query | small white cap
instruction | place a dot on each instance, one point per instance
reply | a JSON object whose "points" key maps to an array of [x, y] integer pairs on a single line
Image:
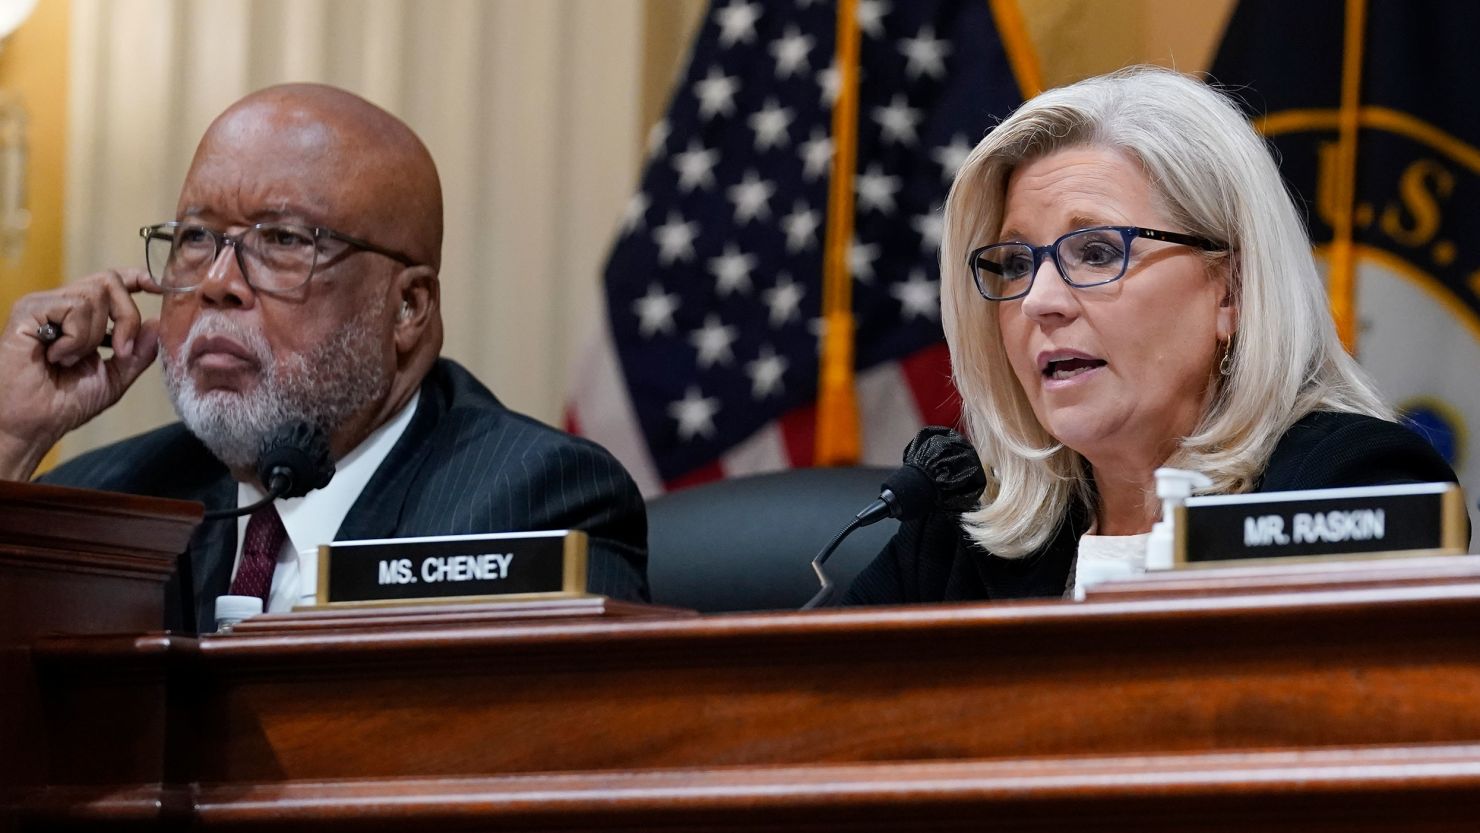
{"points": [[1179, 483], [233, 609]]}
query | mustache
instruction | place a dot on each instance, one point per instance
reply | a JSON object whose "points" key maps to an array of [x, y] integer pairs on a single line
{"points": [[211, 324]]}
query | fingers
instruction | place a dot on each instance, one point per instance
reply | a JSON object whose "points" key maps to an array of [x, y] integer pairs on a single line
{"points": [[82, 313], [118, 291], [138, 280], [56, 381], [123, 368], [71, 336]]}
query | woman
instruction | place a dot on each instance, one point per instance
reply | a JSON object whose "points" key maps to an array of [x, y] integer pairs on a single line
{"points": [[1126, 285]]}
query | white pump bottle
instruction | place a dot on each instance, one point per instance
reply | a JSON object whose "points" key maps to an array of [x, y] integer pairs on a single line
{"points": [[1173, 488]]}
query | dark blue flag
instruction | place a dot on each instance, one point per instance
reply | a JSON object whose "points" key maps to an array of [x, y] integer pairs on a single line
{"points": [[1375, 113]]}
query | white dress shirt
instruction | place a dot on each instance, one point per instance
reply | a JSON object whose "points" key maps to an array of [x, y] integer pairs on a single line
{"points": [[315, 518]]}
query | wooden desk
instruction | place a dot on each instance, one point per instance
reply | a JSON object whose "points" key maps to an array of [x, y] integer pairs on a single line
{"points": [[71, 561], [1349, 701]]}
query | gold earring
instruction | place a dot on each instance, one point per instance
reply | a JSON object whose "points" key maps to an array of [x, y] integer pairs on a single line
{"points": [[1225, 365]]}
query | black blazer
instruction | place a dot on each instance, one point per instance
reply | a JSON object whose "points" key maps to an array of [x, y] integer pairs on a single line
{"points": [[931, 559], [466, 464]]}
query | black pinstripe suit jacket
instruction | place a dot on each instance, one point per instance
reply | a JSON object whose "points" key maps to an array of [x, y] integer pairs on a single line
{"points": [[466, 464]]}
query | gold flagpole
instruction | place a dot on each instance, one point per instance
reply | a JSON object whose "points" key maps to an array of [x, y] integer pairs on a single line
{"points": [[838, 442], [1342, 285], [1019, 47]]}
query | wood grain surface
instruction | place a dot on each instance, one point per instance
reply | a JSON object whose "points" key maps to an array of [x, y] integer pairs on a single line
{"points": [[1343, 703], [78, 562]]}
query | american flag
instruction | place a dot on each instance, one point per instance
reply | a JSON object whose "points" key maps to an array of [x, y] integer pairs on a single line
{"points": [[706, 365]]}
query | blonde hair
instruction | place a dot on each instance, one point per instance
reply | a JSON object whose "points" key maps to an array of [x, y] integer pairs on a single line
{"points": [[1216, 177]]}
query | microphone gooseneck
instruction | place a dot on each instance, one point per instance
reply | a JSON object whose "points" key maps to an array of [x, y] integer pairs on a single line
{"points": [[292, 461], [941, 471]]}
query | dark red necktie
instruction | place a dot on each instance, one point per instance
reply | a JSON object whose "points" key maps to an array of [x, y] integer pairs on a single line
{"points": [[264, 538]]}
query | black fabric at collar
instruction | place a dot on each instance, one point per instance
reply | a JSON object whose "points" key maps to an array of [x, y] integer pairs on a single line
{"points": [[1043, 574], [212, 554], [376, 512]]}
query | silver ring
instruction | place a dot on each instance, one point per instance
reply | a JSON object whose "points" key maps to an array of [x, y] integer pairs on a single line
{"points": [[49, 332]]}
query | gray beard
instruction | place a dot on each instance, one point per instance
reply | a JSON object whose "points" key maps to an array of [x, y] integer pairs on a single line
{"points": [[324, 387]]}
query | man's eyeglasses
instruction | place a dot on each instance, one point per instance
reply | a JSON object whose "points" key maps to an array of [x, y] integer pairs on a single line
{"points": [[273, 257], [1085, 257]]}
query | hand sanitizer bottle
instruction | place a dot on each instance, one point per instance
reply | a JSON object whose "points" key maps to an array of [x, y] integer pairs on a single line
{"points": [[232, 609], [1173, 488]]}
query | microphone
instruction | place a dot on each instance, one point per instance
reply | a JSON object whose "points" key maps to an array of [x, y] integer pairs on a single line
{"points": [[292, 461], [941, 471]]}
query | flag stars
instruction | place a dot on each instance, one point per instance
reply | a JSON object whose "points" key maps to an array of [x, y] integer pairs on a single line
{"points": [[636, 212], [695, 414], [731, 271], [830, 81], [919, 297], [695, 167], [737, 22], [817, 154], [766, 373], [675, 239], [930, 226], [716, 94], [752, 197], [817, 328], [784, 300], [925, 54], [791, 51], [712, 341], [861, 257], [876, 190], [897, 121], [769, 124], [801, 228], [655, 311], [951, 157], [871, 17]]}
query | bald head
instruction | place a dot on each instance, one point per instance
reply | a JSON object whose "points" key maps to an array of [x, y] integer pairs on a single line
{"points": [[364, 328], [356, 166]]}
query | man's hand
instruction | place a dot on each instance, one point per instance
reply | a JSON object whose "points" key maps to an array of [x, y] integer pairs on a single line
{"points": [[48, 389]]}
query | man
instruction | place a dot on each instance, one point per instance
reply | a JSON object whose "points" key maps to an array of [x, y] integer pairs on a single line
{"points": [[300, 282]]}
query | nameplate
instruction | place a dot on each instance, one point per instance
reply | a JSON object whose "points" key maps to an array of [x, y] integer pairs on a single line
{"points": [[453, 568], [1364, 521]]}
